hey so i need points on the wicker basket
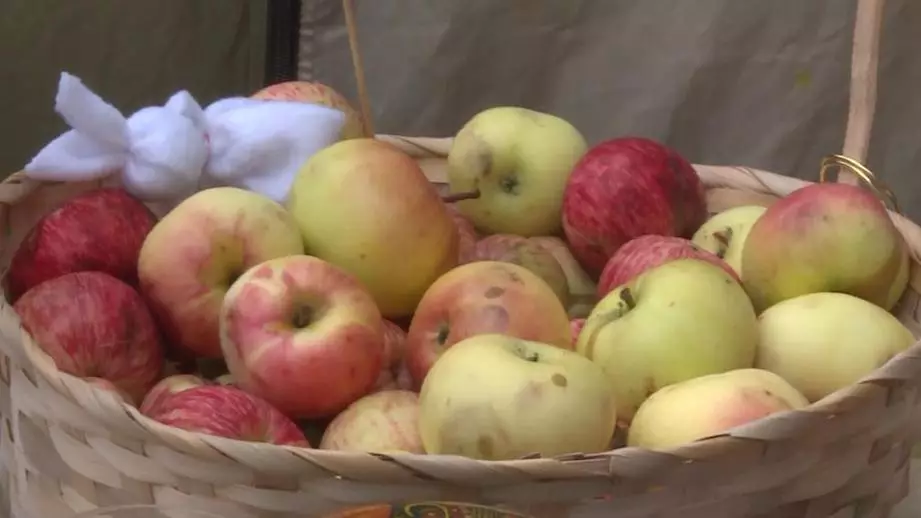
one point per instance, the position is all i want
(70, 448)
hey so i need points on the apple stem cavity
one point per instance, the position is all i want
(461, 196)
(302, 316)
(723, 237)
(442, 336)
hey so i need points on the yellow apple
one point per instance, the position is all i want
(828, 237)
(313, 92)
(724, 234)
(496, 397)
(193, 255)
(680, 320)
(513, 164)
(366, 207)
(710, 405)
(823, 342)
(383, 422)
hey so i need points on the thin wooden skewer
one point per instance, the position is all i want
(364, 104)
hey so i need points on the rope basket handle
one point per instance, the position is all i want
(861, 110)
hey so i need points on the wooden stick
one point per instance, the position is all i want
(364, 104)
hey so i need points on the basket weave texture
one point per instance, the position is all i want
(67, 447)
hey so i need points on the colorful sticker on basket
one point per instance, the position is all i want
(426, 510)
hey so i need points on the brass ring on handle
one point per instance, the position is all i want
(874, 184)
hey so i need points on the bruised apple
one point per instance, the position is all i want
(383, 422)
(302, 334)
(528, 254)
(193, 255)
(645, 252)
(725, 233)
(480, 298)
(710, 405)
(368, 208)
(93, 325)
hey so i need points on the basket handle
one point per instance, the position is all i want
(864, 64)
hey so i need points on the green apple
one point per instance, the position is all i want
(496, 397)
(509, 166)
(709, 405)
(680, 320)
(823, 342)
(724, 234)
(827, 237)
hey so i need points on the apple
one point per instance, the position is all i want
(366, 207)
(227, 412)
(528, 254)
(680, 320)
(582, 288)
(166, 387)
(383, 422)
(393, 374)
(825, 237)
(822, 342)
(302, 334)
(225, 379)
(497, 397)
(93, 325)
(101, 230)
(645, 252)
(193, 255)
(108, 386)
(710, 405)
(508, 167)
(480, 298)
(725, 233)
(313, 92)
(467, 235)
(575, 326)
(625, 188)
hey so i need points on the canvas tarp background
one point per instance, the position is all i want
(724, 81)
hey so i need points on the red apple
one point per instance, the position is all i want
(108, 386)
(625, 188)
(479, 298)
(167, 387)
(467, 235)
(645, 252)
(383, 422)
(394, 359)
(94, 325)
(227, 412)
(101, 230)
(302, 334)
(576, 325)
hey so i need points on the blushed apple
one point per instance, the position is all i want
(710, 405)
(497, 397)
(823, 342)
(302, 334)
(527, 254)
(625, 188)
(683, 319)
(101, 230)
(481, 298)
(467, 235)
(193, 255)
(512, 164)
(368, 208)
(645, 252)
(582, 288)
(227, 412)
(393, 373)
(828, 237)
(383, 422)
(725, 233)
(319, 93)
(167, 386)
(93, 325)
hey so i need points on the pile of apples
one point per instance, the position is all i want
(557, 299)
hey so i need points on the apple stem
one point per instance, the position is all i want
(461, 196)
(627, 296)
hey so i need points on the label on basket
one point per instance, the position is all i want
(426, 510)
